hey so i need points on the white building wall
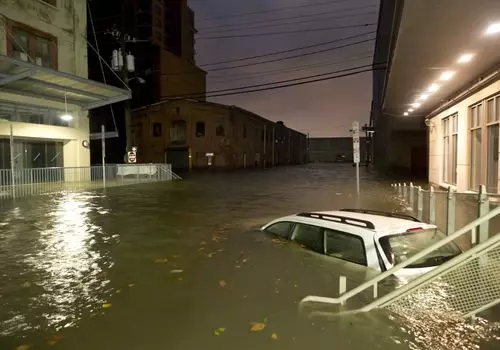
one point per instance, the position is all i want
(436, 139)
(67, 22)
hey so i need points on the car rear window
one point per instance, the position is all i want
(398, 248)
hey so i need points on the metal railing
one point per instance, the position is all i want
(27, 182)
(487, 252)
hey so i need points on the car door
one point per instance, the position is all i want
(308, 236)
(281, 229)
(350, 250)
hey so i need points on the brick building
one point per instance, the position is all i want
(198, 134)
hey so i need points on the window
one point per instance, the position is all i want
(244, 131)
(493, 112)
(345, 246)
(308, 236)
(178, 132)
(475, 146)
(27, 43)
(157, 129)
(219, 130)
(450, 135)
(281, 229)
(200, 129)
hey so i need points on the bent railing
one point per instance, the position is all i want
(373, 283)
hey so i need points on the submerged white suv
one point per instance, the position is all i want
(375, 239)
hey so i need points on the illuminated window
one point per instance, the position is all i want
(450, 136)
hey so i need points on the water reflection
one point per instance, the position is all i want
(62, 262)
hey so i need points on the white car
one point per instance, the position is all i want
(366, 238)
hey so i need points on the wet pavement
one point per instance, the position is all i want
(182, 266)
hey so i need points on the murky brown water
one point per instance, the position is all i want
(181, 266)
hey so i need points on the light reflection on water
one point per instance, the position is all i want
(62, 260)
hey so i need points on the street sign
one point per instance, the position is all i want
(355, 142)
(132, 157)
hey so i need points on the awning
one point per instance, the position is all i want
(49, 85)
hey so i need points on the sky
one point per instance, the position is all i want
(323, 109)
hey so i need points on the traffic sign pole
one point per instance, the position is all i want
(355, 149)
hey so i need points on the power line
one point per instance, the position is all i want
(290, 57)
(286, 18)
(215, 31)
(253, 75)
(285, 32)
(286, 51)
(281, 86)
(283, 81)
(242, 14)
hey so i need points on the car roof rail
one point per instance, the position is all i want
(340, 219)
(383, 213)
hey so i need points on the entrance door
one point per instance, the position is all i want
(178, 158)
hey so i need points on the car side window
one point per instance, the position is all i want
(311, 237)
(281, 229)
(345, 246)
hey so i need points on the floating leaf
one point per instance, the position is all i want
(161, 261)
(23, 347)
(257, 326)
(106, 306)
(219, 331)
(131, 285)
(274, 336)
(118, 291)
(55, 339)
(222, 283)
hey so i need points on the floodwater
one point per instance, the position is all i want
(182, 266)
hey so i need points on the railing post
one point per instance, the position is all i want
(420, 203)
(405, 192)
(400, 189)
(412, 197)
(450, 211)
(342, 285)
(432, 206)
(483, 209)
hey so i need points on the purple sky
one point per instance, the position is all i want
(323, 109)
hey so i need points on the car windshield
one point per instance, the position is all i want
(399, 248)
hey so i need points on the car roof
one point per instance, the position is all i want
(381, 224)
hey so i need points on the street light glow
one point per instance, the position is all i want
(465, 58)
(433, 87)
(67, 117)
(423, 97)
(493, 28)
(405, 113)
(415, 105)
(447, 75)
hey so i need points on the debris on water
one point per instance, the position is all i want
(222, 283)
(26, 284)
(219, 331)
(55, 339)
(106, 306)
(131, 285)
(177, 271)
(118, 291)
(274, 336)
(257, 326)
(23, 347)
(161, 261)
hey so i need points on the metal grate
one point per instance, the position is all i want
(463, 290)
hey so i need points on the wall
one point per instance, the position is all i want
(436, 138)
(67, 22)
(233, 150)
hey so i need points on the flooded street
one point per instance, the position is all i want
(183, 266)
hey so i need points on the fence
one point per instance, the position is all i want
(451, 210)
(27, 182)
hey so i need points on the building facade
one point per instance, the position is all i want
(441, 83)
(44, 91)
(197, 134)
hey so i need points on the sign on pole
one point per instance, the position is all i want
(355, 142)
(355, 150)
(132, 157)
